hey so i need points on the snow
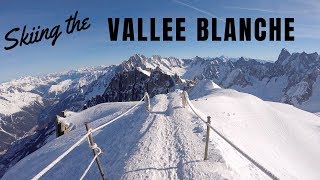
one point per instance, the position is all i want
(60, 87)
(193, 70)
(313, 103)
(203, 88)
(99, 86)
(230, 78)
(20, 93)
(286, 61)
(2, 130)
(108, 110)
(298, 90)
(168, 142)
(144, 71)
(170, 66)
(15, 101)
(17, 94)
(267, 89)
(142, 145)
(281, 137)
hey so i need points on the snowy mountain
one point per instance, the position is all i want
(293, 78)
(168, 142)
(28, 106)
(31, 104)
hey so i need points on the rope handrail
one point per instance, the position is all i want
(53, 163)
(202, 118)
(91, 163)
(120, 116)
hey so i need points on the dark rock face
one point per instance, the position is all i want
(131, 86)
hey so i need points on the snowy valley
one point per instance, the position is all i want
(28, 107)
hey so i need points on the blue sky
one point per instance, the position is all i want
(92, 48)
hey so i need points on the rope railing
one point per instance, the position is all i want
(53, 163)
(91, 163)
(186, 101)
(120, 116)
(89, 132)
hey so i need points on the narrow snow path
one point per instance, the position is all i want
(167, 143)
(173, 147)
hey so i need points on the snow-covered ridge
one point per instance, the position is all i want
(168, 141)
(269, 132)
(293, 79)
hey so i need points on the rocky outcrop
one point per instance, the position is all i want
(131, 86)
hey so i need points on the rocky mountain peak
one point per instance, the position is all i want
(136, 60)
(283, 56)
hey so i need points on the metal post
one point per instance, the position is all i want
(58, 127)
(147, 100)
(184, 99)
(91, 142)
(207, 138)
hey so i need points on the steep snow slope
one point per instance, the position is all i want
(168, 143)
(281, 137)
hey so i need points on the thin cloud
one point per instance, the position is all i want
(251, 9)
(197, 9)
(271, 11)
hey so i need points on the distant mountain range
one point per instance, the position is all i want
(28, 105)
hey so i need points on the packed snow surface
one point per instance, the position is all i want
(168, 143)
(282, 138)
